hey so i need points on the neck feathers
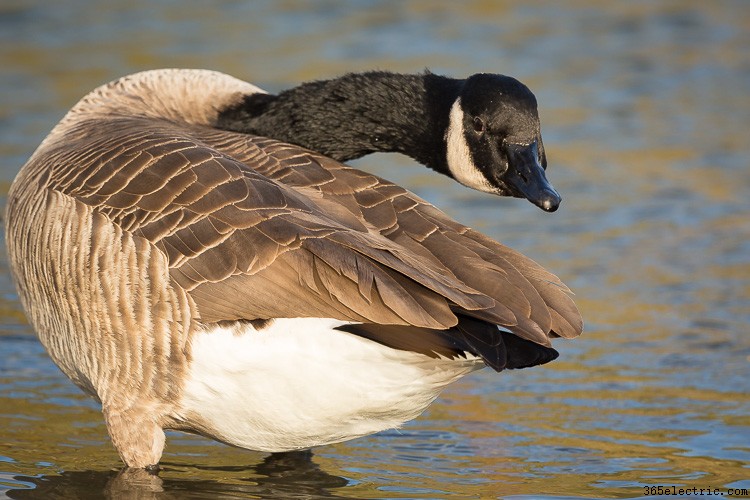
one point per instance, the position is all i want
(355, 115)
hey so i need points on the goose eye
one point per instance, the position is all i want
(478, 125)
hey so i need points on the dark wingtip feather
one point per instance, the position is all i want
(499, 349)
(483, 339)
(523, 353)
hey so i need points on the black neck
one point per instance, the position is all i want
(357, 114)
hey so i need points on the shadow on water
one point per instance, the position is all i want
(291, 475)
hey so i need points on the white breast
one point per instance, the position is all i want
(299, 383)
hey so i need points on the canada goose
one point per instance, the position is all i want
(192, 274)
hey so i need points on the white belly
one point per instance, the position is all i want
(298, 383)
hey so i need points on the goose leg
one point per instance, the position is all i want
(139, 442)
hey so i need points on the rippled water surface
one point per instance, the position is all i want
(645, 111)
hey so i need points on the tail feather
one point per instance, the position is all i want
(499, 349)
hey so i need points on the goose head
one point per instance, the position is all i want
(494, 143)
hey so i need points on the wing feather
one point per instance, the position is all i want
(530, 301)
(243, 244)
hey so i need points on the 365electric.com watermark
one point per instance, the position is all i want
(682, 491)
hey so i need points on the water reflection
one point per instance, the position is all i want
(282, 475)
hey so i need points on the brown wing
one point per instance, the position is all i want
(530, 301)
(244, 245)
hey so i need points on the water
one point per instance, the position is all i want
(645, 110)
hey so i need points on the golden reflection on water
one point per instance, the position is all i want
(644, 110)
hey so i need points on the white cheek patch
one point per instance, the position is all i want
(460, 164)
